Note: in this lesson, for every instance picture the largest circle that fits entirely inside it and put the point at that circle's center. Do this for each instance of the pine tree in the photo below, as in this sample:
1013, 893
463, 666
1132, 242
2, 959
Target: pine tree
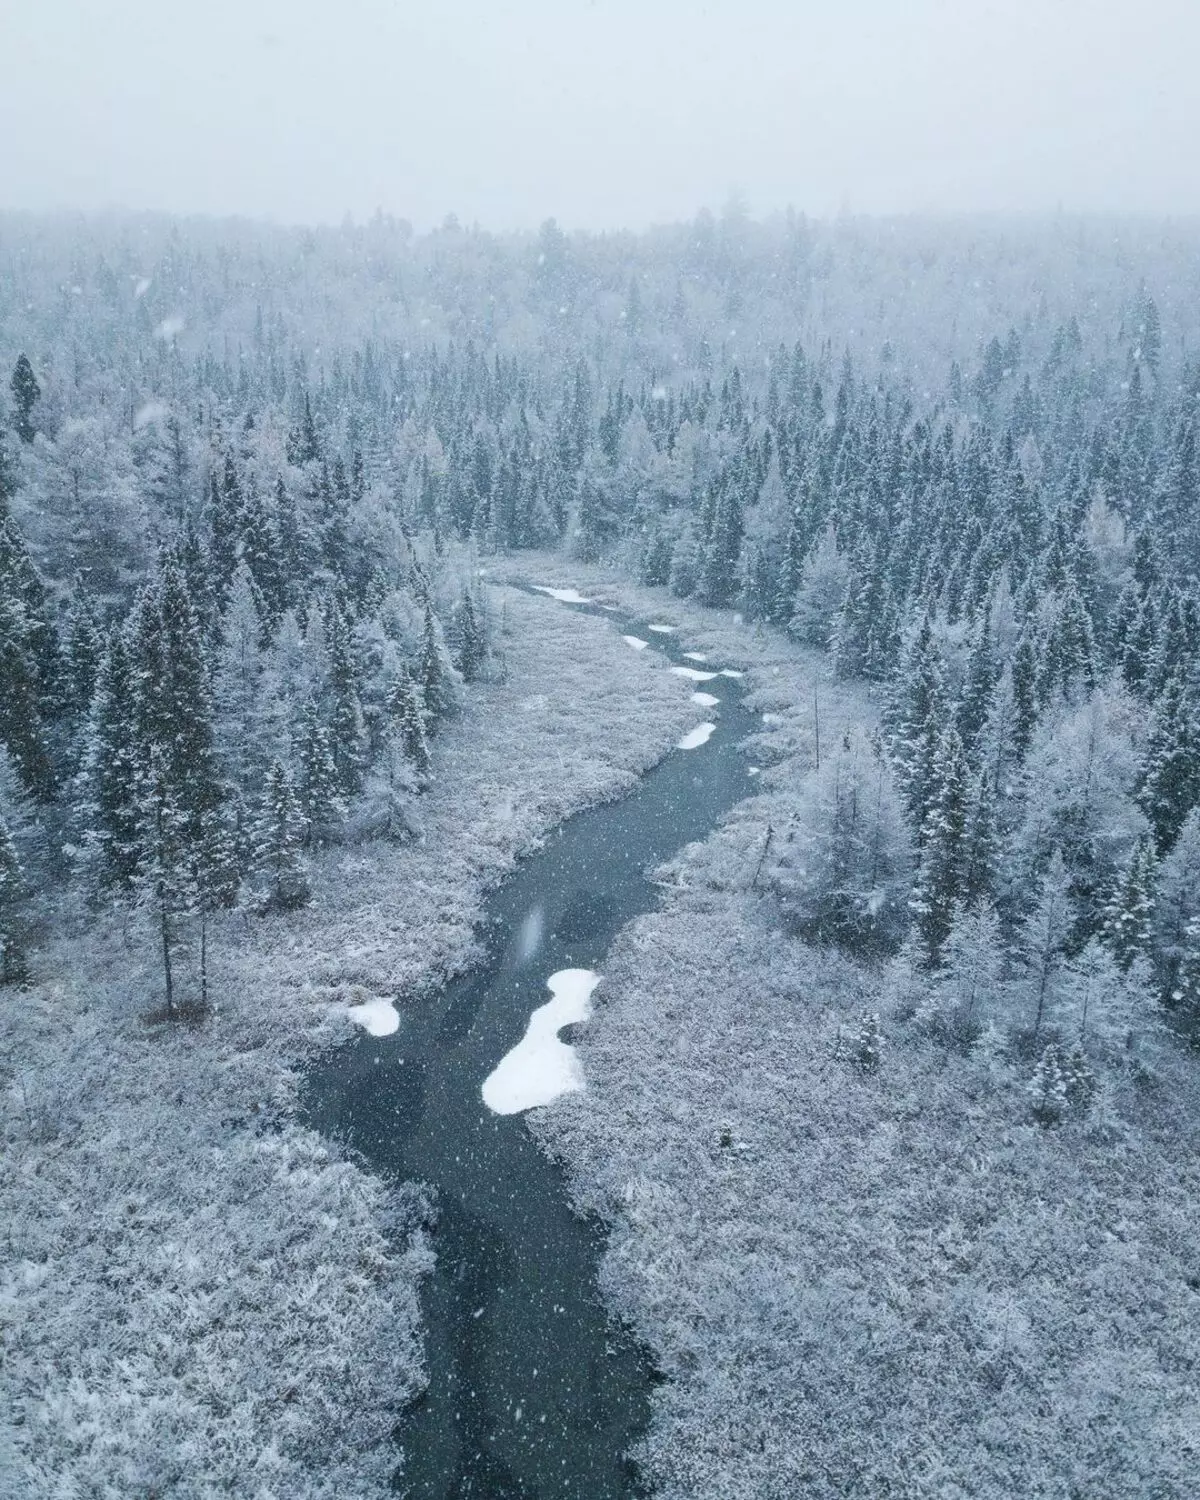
25, 392
1130, 913
939, 885
278, 860
1048, 1089
404, 710
187, 866
978, 687
433, 670
321, 803
108, 804
1025, 699
472, 640
345, 721
13, 966
918, 716
1169, 778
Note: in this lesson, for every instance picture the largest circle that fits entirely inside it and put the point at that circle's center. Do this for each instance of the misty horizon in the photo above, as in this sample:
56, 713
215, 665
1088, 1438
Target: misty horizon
602, 116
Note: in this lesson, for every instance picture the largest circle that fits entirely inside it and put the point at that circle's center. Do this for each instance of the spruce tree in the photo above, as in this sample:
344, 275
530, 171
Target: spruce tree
13, 966
25, 393
188, 865
939, 885
1048, 1089
345, 721
472, 640
278, 859
432, 672
404, 710
321, 804
1128, 920
108, 803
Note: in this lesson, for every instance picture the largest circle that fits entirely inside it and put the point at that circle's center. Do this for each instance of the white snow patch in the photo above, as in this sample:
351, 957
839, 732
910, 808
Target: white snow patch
141, 286
770, 720
693, 674
564, 596
635, 642
169, 328
694, 738
540, 1067
694, 656
705, 700
663, 629
379, 1017
753, 771
730, 672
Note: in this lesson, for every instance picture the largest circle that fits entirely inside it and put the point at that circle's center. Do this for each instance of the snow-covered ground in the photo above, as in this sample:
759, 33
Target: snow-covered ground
890, 1283
198, 1296
541, 1067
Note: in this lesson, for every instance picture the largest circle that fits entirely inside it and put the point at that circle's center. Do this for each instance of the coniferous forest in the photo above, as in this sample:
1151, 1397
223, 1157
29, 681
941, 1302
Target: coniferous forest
936, 488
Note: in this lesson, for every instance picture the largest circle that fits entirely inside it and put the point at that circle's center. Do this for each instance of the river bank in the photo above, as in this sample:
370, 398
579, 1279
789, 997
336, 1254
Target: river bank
198, 1292
892, 1281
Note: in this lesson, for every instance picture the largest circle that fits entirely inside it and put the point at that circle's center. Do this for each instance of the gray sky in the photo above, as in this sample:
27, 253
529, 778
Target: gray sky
601, 112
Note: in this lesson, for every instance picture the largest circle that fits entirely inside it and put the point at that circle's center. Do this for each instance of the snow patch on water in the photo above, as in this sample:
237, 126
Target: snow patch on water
540, 1067
564, 596
694, 656
693, 674
663, 629
635, 642
705, 700
694, 738
730, 672
378, 1017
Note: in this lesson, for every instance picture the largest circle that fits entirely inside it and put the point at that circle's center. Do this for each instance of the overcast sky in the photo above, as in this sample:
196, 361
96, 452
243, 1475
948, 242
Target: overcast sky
600, 112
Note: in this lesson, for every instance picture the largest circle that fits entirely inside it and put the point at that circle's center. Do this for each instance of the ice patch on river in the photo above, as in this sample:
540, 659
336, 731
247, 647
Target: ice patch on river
564, 596
731, 672
694, 656
705, 700
693, 674
694, 738
635, 641
379, 1017
663, 629
540, 1067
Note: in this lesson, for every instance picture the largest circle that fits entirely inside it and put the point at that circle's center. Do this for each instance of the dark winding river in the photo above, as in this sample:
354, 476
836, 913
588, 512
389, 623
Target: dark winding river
533, 1390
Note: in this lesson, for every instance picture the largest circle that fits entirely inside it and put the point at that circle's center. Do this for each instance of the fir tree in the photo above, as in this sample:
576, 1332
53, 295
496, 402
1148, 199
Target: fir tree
404, 710
25, 393
108, 806
432, 672
278, 860
472, 640
345, 721
1129, 917
319, 792
1048, 1089
13, 966
939, 885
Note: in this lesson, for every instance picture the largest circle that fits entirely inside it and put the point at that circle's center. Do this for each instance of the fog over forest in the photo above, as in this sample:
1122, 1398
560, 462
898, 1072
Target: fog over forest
599, 751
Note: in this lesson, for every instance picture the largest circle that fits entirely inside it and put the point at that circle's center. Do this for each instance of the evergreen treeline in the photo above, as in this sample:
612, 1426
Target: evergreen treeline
233, 606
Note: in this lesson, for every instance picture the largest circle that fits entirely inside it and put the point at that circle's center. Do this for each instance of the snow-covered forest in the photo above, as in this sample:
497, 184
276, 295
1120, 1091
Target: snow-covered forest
892, 1106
